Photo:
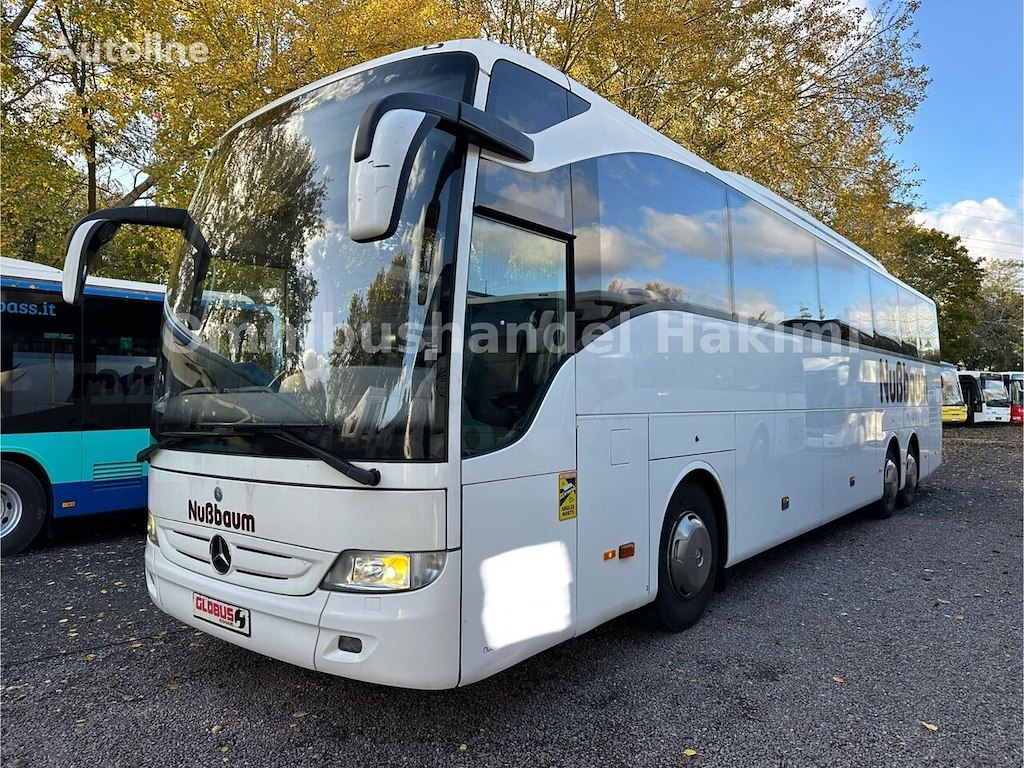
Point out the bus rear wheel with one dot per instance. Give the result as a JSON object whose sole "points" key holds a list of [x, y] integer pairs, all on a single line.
{"points": [[687, 560], [22, 508], [886, 506], [906, 497]]}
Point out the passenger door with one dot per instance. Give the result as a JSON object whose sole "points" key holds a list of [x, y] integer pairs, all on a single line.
{"points": [[518, 448]]}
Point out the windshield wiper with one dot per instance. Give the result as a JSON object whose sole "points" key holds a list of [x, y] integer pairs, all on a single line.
{"points": [[173, 438], [369, 477]]}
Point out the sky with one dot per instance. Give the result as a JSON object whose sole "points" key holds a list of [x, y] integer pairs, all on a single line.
{"points": [[967, 138]]}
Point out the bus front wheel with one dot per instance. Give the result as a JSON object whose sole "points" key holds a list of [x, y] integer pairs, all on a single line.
{"points": [[22, 508], [687, 560]]}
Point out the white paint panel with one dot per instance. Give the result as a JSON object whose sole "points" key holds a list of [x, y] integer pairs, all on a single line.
{"points": [[327, 519], [613, 502], [691, 434], [773, 461], [516, 554]]}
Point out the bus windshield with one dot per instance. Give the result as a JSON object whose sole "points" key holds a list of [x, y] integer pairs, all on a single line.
{"points": [[276, 317], [951, 393], [994, 391]]}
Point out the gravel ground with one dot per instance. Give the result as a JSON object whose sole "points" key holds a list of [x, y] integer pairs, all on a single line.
{"points": [[865, 643]]}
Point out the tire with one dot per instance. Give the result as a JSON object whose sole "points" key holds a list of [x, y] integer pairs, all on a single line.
{"points": [[906, 496], [22, 508], [885, 507], [691, 532]]}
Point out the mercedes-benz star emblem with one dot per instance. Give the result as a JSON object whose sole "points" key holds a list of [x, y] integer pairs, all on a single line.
{"points": [[220, 555], [218, 494]]}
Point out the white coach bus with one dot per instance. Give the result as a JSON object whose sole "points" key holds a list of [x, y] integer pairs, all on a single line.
{"points": [[533, 366]]}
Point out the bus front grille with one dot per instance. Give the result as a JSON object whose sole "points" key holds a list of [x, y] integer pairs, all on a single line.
{"points": [[255, 563]]}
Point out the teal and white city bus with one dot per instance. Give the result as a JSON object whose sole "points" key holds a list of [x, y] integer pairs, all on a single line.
{"points": [[530, 365], [77, 388]]}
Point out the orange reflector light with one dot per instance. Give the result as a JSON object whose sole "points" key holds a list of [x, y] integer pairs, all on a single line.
{"points": [[609, 555], [67, 504], [627, 550]]}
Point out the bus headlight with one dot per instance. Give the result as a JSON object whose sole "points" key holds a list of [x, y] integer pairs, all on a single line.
{"points": [[151, 527], [360, 571]]}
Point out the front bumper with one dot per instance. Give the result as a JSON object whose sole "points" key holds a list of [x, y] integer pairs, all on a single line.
{"points": [[410, 640]]}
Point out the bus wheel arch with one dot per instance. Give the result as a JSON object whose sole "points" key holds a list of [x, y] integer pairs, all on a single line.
{"points": [[691, 552], [25, 502], [913, 473]]}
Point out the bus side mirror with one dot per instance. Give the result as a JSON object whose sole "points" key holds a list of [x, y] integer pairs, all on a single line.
{"points": [[385, 145], [378, 180], [97, 229]]}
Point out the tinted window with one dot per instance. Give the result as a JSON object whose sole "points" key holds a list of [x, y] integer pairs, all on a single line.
{"points": [[928, 330], [650, 233], [845, 293], [909, 332], [37, 362], [542, 198], [773, 265], [515, 331], [119, 362], [885, 306], [528, 101]]}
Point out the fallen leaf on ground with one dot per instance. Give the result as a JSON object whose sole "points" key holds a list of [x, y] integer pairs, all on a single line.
{"points": [[838, 679], [300, 713], [930, 726], [690, 752]]}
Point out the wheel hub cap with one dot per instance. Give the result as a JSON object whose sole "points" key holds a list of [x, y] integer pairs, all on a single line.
{"points": [[911, 471], [10, 509], [689, 555]]}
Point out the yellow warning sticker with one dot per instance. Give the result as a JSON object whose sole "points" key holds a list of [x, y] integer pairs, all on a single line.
{"points": [[566, 495]]}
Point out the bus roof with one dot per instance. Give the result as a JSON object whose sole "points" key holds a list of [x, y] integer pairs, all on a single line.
{"points": [[17, 273]]}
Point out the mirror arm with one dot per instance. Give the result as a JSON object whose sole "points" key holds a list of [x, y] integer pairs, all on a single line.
{"points": [[98, 228], [491, 133]]}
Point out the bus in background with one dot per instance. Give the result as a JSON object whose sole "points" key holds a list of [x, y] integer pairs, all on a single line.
{"points": [[986, 396], [76, 397], [532, 366], [954, 409], [1014, 381]]}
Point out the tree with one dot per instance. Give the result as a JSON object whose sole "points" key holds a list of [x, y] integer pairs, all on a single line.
{"points": [[997, 339], [799, 96], [937, 265], [104, 131]]}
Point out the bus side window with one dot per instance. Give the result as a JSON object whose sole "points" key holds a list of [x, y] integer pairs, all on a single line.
{"points": [[650, 235], [40, 345], [119, 362], [529, 101], [515, 331], [773, 266], [886, 312]]}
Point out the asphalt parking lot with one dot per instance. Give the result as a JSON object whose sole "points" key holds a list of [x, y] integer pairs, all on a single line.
{"points": [[890, 643]]}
